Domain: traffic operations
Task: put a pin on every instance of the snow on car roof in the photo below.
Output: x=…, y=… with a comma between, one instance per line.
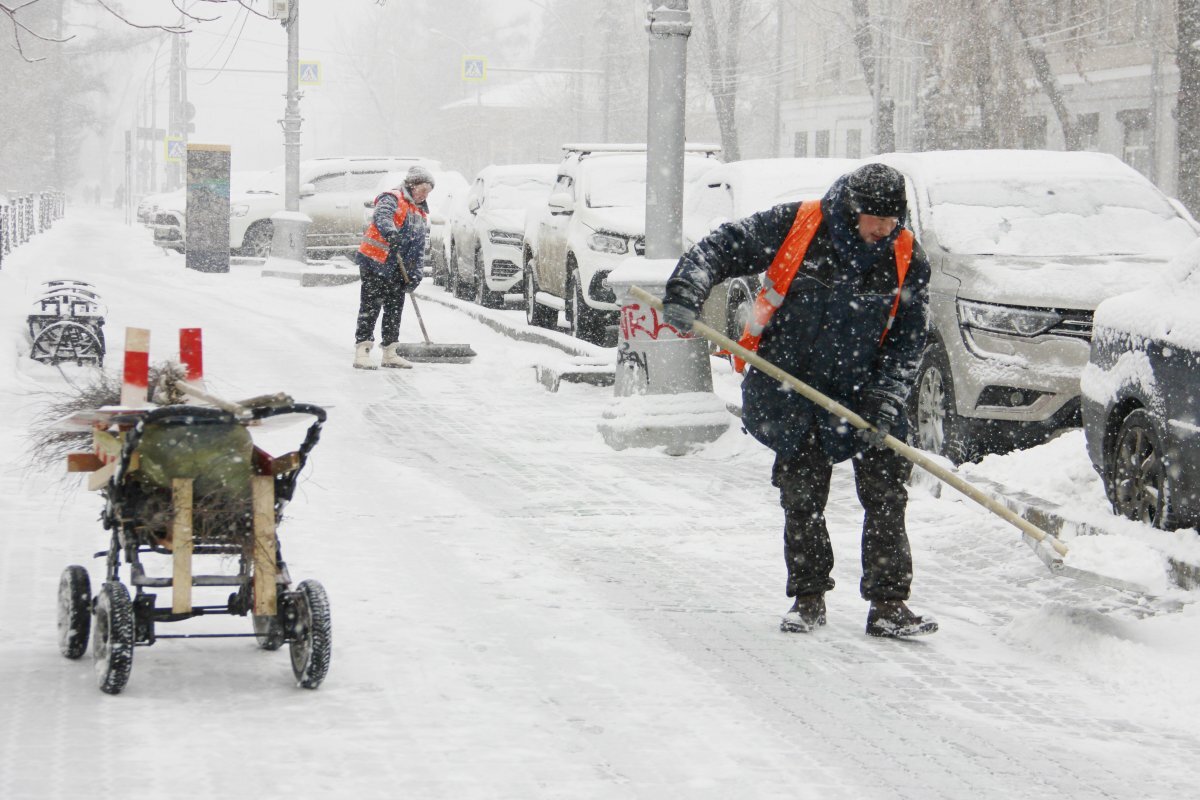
x=962, y=165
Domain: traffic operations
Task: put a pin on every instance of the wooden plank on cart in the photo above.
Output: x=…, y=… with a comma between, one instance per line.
x=181, y=545
x=262, y=490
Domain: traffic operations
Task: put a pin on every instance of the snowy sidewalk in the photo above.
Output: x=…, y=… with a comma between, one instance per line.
x=521, y=612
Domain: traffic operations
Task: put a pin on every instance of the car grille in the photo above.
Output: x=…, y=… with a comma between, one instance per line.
x=504, y=269
x=1075, y=324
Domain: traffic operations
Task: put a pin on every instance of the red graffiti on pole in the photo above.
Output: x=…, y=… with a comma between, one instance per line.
x=636, y=321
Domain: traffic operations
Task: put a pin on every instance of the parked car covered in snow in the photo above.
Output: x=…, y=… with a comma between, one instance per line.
x=594, y=218
x=486, y=234
x=1141, y=398
x=332, y=191
x=731, y=191
x=1023, y=246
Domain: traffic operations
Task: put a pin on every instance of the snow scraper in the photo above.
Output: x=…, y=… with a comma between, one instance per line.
x=427, y=350
x=1048, y=548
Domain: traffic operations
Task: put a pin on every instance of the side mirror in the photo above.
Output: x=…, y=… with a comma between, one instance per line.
x=307, y=190
x=561, y=203
x=474, y=204
x=368, y=203
x=437, y=219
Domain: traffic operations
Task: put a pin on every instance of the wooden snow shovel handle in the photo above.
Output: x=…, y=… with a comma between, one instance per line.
x=412, y=294
x=838, y=410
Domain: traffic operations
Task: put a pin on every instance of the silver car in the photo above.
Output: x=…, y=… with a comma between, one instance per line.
x=1023, y=246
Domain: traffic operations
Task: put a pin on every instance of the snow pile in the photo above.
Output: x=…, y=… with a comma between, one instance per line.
x=1057, y=471
x=1123, y=558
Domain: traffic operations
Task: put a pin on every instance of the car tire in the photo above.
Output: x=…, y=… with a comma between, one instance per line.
x=1137, y=480
x=934, y=424
x=587, y=324
x=257, y=243
x=536, y=314
x=738, y=309
x=483, y=295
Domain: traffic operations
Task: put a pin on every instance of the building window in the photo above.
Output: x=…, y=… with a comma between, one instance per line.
x=1135, y=146
x=800, y=144
x=854, y=143
x=1033, y=133
x=821, y=144
x=1087, y=129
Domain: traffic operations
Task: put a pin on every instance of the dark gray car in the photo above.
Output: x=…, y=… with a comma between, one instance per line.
x=1141, y=399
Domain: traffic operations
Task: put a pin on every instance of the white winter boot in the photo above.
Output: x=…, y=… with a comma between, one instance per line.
x=392, y=359
x=362, y=356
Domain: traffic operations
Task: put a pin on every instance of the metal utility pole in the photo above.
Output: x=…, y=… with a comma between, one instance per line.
x=289, y=239
x=669, y=24
x=291, y=115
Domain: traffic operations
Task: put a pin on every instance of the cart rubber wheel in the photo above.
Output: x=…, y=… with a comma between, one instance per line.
x=312, y=634
x=268, y=631
x=112, y=637
x=74, y=611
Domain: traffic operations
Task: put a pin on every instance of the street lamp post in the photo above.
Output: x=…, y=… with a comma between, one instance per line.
x=290, y=227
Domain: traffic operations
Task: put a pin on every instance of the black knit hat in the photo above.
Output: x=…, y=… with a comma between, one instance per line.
x=878, y=190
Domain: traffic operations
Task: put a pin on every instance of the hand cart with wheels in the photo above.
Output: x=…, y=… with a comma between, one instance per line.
x=67, y=324
x=187, y=482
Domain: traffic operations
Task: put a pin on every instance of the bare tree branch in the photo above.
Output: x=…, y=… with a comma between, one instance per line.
x=130, y=23
x=18, y=26
x=179, y=7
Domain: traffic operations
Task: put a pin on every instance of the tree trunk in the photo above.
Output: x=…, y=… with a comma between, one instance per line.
x=722, y=69
x=1035, y=50
x=1187, y=107
x=863, y=42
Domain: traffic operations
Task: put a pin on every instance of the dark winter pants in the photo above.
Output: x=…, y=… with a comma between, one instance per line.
x=376, y=293
x=879, y=475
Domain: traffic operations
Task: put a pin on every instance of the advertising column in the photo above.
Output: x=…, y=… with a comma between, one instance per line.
x=206, y=231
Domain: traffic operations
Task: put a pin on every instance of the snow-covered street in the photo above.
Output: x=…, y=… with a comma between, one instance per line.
x=520, y=611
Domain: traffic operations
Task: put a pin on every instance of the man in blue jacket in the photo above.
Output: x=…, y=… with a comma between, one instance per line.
x=844, y=310
x=389, y=263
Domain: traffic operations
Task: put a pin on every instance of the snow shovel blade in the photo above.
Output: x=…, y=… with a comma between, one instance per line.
x=1043, y=539
x=441, y=353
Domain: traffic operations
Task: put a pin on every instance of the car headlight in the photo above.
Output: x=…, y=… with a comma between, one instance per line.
x=1010, y=320
x=607, y=243
x=504, y=237
x=239, y=210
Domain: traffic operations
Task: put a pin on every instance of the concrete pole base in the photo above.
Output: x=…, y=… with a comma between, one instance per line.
x=680, y=423
x=290, y=239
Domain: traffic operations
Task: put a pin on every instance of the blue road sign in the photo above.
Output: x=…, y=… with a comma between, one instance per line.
x=310, y=72
x=474, y=68
x=176, y=149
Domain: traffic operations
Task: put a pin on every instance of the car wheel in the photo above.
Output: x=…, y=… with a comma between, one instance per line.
x=935, y=425
x=1138, y=473
x=587, y=324
x=258, y=240
x=737, y=312
x=536, y=314
x=484, y=296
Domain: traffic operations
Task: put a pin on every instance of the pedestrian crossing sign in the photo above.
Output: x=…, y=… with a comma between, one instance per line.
x=176, y=149
x=310, y=72
x=474, y=68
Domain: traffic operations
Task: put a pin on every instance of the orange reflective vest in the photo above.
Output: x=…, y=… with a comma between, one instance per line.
x=374, y=244
x=787, y=263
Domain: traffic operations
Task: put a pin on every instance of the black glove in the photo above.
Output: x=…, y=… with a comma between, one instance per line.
x=881, y=410
x=679, y=317
x=415, y=276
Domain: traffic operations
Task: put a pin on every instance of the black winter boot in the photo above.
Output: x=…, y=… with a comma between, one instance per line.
x=893, y=619
x=806, y=614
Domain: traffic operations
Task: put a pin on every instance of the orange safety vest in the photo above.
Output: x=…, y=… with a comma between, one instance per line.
x=374, y=245
x=787, y=263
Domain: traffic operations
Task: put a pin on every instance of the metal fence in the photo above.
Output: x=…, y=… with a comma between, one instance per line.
x=23, y=215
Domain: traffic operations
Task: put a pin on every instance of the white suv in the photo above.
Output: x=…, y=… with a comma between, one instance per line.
x=486, y=250
x=594, y=219
x=332, y=191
